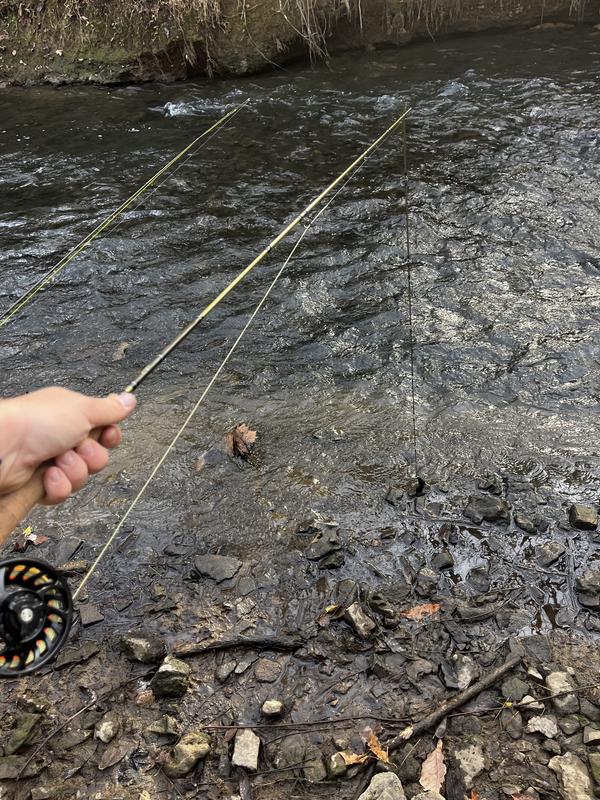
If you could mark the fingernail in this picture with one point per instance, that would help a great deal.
(127, 400)
(86, 450)
(67, 459)
(54, 475)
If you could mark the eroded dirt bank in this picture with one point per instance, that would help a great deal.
(113, 42)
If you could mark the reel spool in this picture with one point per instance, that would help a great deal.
(36, 614)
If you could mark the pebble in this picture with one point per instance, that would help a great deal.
(107, 728)
(512, 722)
(547, 554)
(552, 746)
(525, 523)
(361, 622)
(443, 560)
(594, 759)
(591, 735)
(589, 710)
(172, 678)
(314, 769)
(514, 689)
(490, 509)
(573, 775)
(471, 762)
(219, 568)
(246, 749)
(426, 583)
(336, 766)
(224, 670)
(546, 725)
(557, 682)
(570, 725)
(146, 649)
(529, 703)
(90, 615)
(584, 518)
(588, 588)
(384, 786)
(186, 754)
(325, 543)
(272, 708)
(266, 670)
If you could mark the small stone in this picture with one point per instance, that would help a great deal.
(512, 722)
(272, 708)
(314, 769)
(165, 726)
(336, 766)
(547, 554)
(116, 751)
(514, 689)
(246, 749)
(324, 543)
(384, 786)
(224, 670)
(584, 518)
(573, 775)
(594, 759)
(145, 648)
(467, 671)
(529, 703)
(219, 568)
(591, 735)
(471, 762)
(107, 728)
(525, 523)
(187, 752)
(443, 560)
(23, 733)
(291, 752)
(547, 726)
(589, 710)
(90, 615)
(569, 725)
(551, 746)
(490, 509)
(172, 678)
(266, 670)
(431, 795)
(361, 623)
(588, 588)
(557, 683)
(426, 583)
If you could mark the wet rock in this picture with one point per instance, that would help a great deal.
(408, 767)
(512, 722)
(570, 725)
(172, 678)
(514, 689)
(479, 579)
(336, 766)
(380, 604)
(116, 751)
(414, 487)
(384, 786)
(589, 710)
(361, 622)
(90, 615)
(471, 762)
(107, 728)
(267, 670)
(529, 703)
(552, 746)
(314, 768)
(324, 543)
(272, 708)
(146, 648)
(584, 518)
(186, 754)
(547, 554)
(490, 482)
(165, 726)
(426, 583)
(246, 749)
(573, 776)
(591, 735)
(290, 752)
(418, 668)
(594, 759)
(219, 568)
(333, 561)
(443, 560)
(224, 670)
(387, 665)
(588, 588)
(23, 733)
(546, 725)
(525, 523)
(558, 682)
(490, 509)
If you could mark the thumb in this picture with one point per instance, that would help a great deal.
(102, 411)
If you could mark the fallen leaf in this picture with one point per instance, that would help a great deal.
(353, 758)
(419, 612)
(120, 351)
(433, 771)
(36, 539)
(377, 749)
(200, 464)
(240, 441)
(474, 795)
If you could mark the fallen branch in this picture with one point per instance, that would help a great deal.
(283, 643)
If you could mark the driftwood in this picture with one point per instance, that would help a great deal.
(283, 643)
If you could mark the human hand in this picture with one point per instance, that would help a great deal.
(54, 425)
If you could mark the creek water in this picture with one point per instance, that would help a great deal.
(504, 217)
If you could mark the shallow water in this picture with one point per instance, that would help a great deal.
(504, 218)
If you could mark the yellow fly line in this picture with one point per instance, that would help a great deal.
(40, 285)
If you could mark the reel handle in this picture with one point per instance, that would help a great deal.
(15, 507)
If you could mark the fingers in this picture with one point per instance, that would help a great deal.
(56, 485)
(74, 468)
(94, 455)
(111, 436)
(103, 411)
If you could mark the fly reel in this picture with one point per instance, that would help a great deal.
(36, 613)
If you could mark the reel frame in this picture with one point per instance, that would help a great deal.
(36, 615)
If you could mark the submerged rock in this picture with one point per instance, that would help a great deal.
(186, 754)
(219, 568)
(361, 622)
(325, 543)
(573, 776)
(146, 648)
(583, 517)
(490, 509)
(267, 670)
(246, 750)
(23, 733)
(547, 554)
(588, 588)
(385, 786)
(172, 678)
(525, 523)
(336, 766)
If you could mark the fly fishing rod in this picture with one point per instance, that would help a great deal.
(31, 293)
(36, 603)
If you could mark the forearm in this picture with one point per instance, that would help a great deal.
(13, 458)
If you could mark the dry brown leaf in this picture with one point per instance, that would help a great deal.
(474, 795)
(240, 441)
(420, 612)
(377, 750)
(353, 758)
(433, 771)
(120, 351)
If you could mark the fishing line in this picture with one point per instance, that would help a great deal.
(116, 216)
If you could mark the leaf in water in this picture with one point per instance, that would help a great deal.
(420, 612)
(433, 771)
(353, 758)
(240, 441)
(377, 750)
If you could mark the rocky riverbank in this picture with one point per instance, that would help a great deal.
(112, 42)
